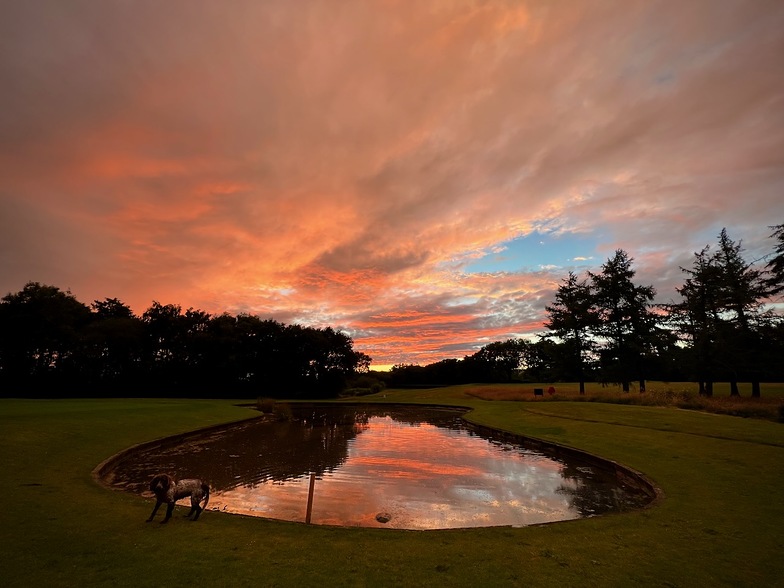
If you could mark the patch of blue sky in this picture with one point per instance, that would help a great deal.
(540, 251)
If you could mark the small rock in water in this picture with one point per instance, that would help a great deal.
(383, 517)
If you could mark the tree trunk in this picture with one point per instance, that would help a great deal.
(755, 389)
(709, 389)
(734, 387)
(625, 386)
(702, 388)
(642, 386)
(582, 387)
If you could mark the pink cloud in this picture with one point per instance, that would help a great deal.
(342, 166)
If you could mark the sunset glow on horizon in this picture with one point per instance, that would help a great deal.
(420, 175)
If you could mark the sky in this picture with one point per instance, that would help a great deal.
(419, 174)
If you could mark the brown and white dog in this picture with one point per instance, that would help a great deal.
(167, 490)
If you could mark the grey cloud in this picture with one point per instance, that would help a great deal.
(425, 130)
(357, 255)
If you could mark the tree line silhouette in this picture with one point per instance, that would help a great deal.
(604, 327)
(53, 345)
(601, 327)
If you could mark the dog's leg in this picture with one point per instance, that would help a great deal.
(199, 493)
(154, 510)
(194, 508)
(203, 495)
(169, 511)
(198, 510)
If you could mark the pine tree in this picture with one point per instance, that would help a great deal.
(626, 321)
(696, 318)
(572, 318)
(741, 293)
(775, 267)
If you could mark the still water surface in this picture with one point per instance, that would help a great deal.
(425, 468)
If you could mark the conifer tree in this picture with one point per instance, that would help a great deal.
(741, 294)
(696, 317)
(627, 323)
(572, 318)
(775, 267)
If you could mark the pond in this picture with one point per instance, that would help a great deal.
(387, 466)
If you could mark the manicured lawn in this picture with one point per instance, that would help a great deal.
(721, 522)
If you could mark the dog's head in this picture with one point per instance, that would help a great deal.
(161, 483)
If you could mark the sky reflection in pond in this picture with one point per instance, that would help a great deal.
(425, 467)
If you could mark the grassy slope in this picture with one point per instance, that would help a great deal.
(720, 523)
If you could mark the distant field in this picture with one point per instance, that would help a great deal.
(719, 523)
(683, 395)
(720, 389)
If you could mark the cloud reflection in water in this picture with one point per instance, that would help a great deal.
(423, 466)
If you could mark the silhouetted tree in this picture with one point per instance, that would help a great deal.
(696, 318)
(547, 361)
(741, 294)
(165, 344)
(626, 322)
(498, 361)
(40, 334)
(572, 318)
(404, 375)
(775, 267)
(721, 316)
(113, 352)
(50, 341)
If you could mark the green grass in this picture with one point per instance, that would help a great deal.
(721, 522)
(720, 389)
(684, 395)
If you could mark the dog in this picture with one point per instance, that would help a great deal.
(168, 490)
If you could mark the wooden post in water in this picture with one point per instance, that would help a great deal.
(310, 498)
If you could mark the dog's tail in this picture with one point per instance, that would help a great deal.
(206, 489)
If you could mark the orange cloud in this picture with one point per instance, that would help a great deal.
(343, 167)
